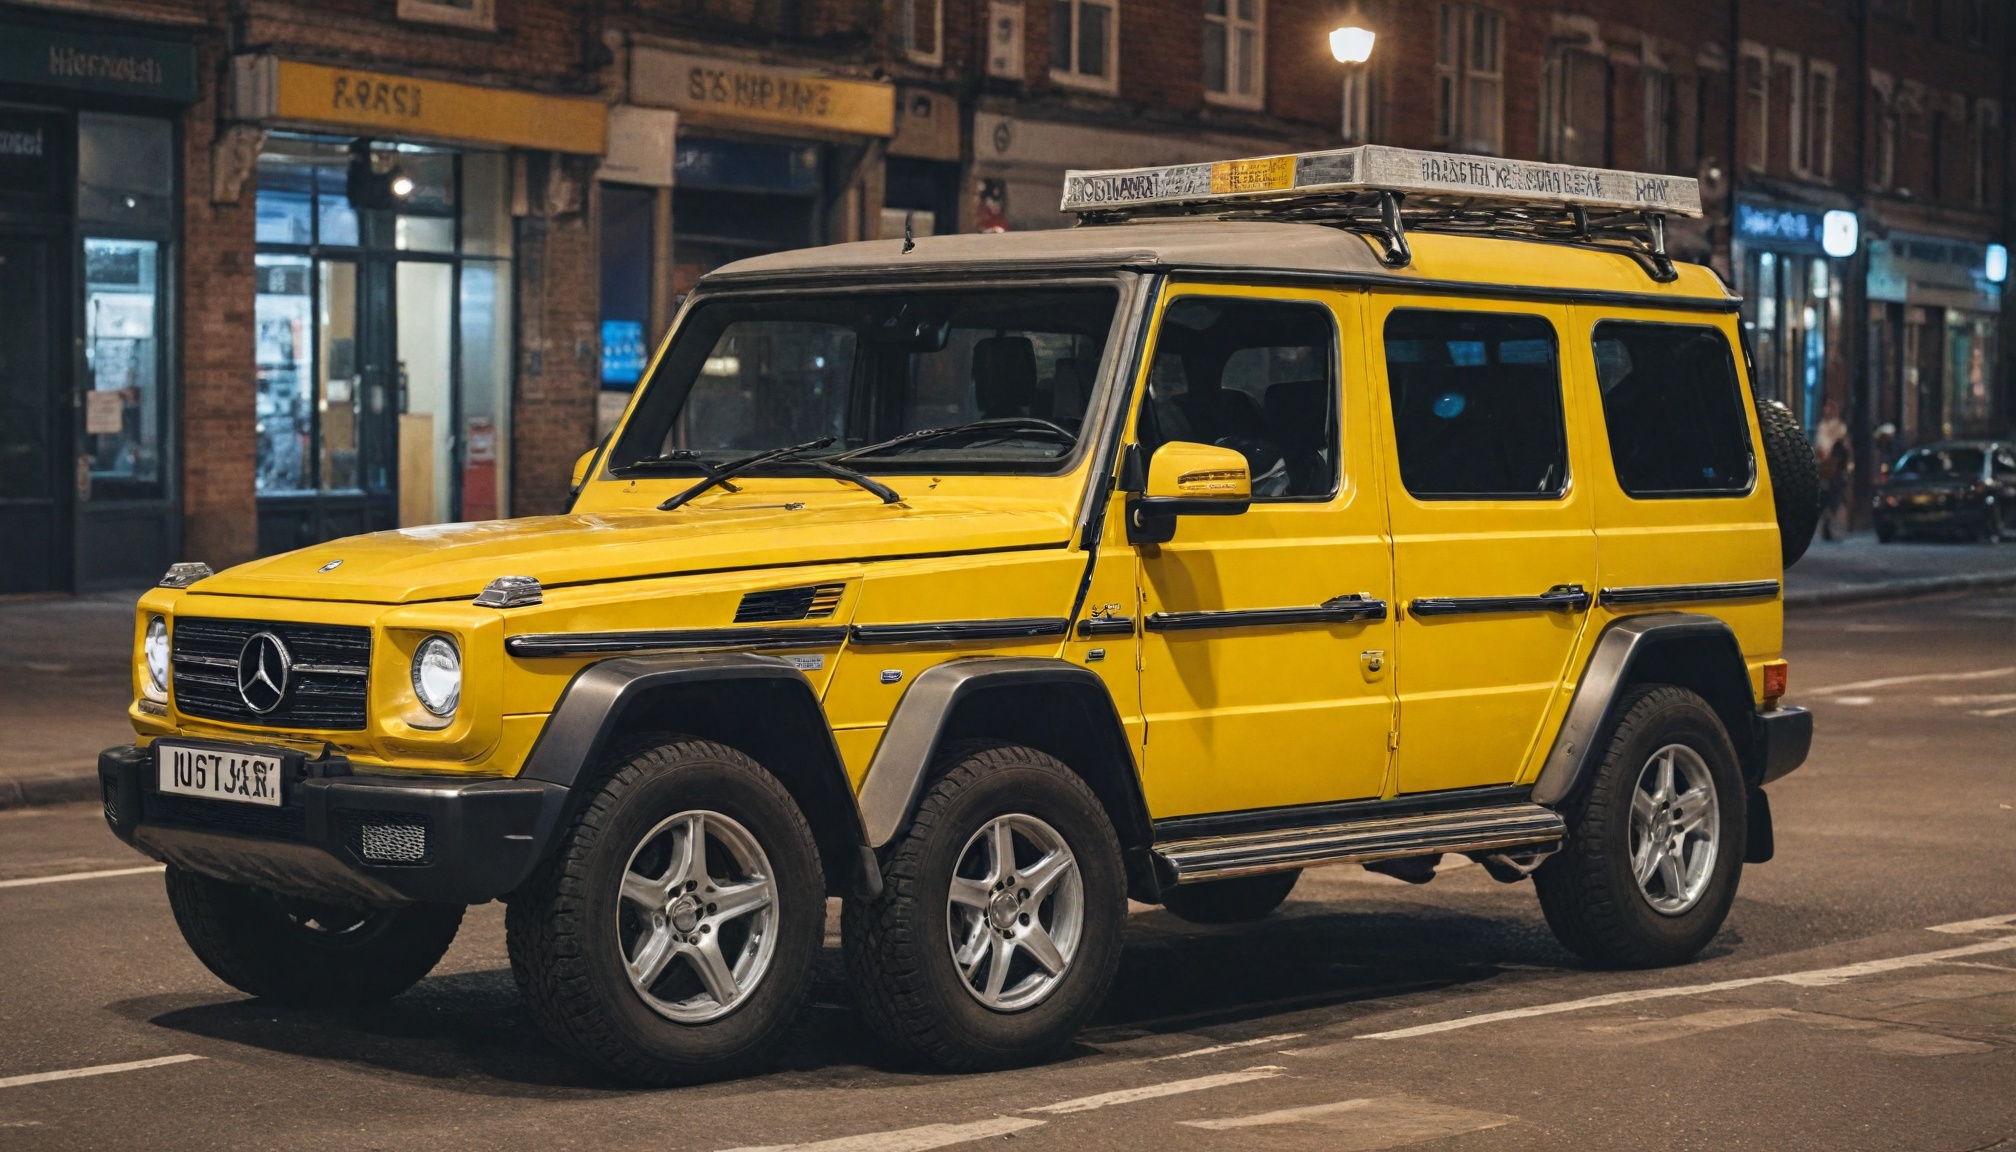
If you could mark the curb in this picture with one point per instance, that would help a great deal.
(29, 791)
(1898, 589)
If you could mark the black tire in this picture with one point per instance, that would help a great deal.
(1593, 901)
(565, 926)
(306, 954)
(898, 946)
(1235, 901)
(1795, 478)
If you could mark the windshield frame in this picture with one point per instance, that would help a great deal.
(1097, 424)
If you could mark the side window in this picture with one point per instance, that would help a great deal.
(1476, 405)
(1259, 376)
(1673, 409)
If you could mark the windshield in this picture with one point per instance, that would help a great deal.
(748, 376)
(1941, 464)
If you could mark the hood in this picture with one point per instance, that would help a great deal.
(455, 561)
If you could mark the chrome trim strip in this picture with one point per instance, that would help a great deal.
(210, 661)
(662, 639)
(1473, 830)
(333, 669)
(1337, 610)
(951, 631)
(1560, 598)
(1688, 593)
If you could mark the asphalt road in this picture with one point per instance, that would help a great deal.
(1848, 1004)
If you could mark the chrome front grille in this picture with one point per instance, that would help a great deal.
(328, 686)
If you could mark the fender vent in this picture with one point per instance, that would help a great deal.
(809, 603)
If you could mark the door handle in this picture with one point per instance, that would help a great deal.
(1559, 598)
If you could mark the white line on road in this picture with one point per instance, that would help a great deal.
(1812, 978)
(1217, 1048)
(67, 876)
(1284, 1116)
(1985, 924)
(97, 1070)
(1990, 712)
(1152, 1091)
(910, 1139)
(1990, 698)
(1887, 681)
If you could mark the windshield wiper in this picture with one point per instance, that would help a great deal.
(999, 424)
(791, 454)
(676, 456)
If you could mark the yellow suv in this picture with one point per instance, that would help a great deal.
(1353, 507)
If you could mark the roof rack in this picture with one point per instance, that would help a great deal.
(1381, 192)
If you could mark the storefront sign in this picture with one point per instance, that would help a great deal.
(91, 62)
(271, 89)
(1909, 268)
(757, 92)
(1783, 229)
(641, 143)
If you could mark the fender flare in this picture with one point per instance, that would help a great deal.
(1619, 652)
(595, 702)
(902, 763)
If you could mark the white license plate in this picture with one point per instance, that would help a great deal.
(220, 774)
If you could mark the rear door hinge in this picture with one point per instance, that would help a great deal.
(1393, 741)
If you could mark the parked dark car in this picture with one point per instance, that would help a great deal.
(1953, 488)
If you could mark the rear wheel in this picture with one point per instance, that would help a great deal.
(672, 937)
(306, 953)
(1655, 849)
(1233, 901)
(997, 931)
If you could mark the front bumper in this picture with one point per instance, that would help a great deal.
(482, 837)
(1783, 737)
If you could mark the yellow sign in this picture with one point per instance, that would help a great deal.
(757, 92)
(274, 89)
(1262, 175)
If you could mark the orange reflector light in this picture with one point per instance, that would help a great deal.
(1776, 674)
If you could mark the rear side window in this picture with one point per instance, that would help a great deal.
(1673, 409)
(1476, 405)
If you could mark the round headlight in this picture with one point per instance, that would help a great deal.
(155, 648)
(437, 675)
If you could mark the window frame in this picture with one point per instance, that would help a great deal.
(1735, 381)
(903, 25)
(1795, 111)
(1144, 413)
(1757, 148)
(1817, 142)
(1071, 77)
(1460, 74)
(480, 15)
(1661, 101)
(1563, 490)
(1233, 25)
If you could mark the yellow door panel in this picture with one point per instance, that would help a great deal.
(1493, 528)
(1246, 711)
(1683, 502)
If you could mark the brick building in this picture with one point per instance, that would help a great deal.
(303, 271)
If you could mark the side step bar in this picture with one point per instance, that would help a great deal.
(1358, 842)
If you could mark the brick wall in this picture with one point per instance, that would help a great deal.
(559, 348)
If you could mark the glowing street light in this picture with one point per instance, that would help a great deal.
(1352, 44)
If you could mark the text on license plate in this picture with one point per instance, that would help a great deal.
(245, 777)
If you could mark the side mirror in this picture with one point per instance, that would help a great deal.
(1186, 479)
(582, 464)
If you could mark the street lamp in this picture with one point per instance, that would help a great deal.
(1352, 44)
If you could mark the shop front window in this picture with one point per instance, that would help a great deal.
(383, 336)
(125, 186)
(1970, 369)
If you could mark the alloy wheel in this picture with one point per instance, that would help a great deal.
(696, 921)
(1675, 829)
(1015, 912)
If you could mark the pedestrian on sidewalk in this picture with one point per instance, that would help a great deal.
(1837, 466)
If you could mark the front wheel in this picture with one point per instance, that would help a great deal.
(997, 931)
(305, 953)
(1656, 848)
(672, 937)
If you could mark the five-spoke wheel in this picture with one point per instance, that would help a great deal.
(1014, 911)
(1675, 829)
(695, 919)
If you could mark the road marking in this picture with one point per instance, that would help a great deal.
(1217, 1048)
(68, 876)
(1991, 712)
(1284, 1116)
(1887, 681)
(96, 1070)
(1713, 1020)
(910, 1139)
(1991, 698)
(1152, 1091)
(1853, 701)
(1812, 978)
(1985, 924)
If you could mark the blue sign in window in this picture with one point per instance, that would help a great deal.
(622, 353)
(1778, 227)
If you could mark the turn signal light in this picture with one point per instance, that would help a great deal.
(1776, 674)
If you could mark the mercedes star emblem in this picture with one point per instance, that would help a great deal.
(263, 667)
(331, 566)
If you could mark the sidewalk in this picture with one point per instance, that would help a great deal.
(64, 685)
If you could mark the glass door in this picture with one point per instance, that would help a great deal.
(30, 491)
